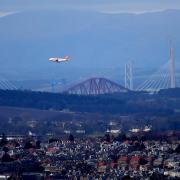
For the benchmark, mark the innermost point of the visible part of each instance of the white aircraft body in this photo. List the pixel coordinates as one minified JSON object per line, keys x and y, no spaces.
{"x":56,"y":59}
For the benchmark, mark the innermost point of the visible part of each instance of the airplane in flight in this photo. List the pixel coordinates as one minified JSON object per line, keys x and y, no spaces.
{"x":56,"y":59}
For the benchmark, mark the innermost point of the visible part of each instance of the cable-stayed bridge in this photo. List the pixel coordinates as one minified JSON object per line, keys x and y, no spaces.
{"x":164,"y":78}
{"x":6,"y":84}
{"x":159,"y":80}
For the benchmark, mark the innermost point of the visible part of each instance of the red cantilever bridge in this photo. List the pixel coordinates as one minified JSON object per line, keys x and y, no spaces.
{"x":96,"y":86}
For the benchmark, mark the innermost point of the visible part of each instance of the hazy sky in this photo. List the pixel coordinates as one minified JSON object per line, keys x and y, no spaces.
{"x":28,"y":35}
{"x":106,"y":6}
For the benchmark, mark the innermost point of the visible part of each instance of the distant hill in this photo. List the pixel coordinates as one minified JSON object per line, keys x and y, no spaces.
{"x":165,"y":103}
{"x":93,"y":40}
{"x":42,"y":113}
{"x":33,"y":113}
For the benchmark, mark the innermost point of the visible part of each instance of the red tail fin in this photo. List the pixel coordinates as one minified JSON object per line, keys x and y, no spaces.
{"x":67,"y":57}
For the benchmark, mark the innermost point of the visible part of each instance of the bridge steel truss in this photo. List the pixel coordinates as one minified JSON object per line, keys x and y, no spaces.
{"x":96,"y":86}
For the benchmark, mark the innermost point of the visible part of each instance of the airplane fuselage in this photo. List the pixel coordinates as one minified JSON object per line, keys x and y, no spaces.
{"x":59,"y":59}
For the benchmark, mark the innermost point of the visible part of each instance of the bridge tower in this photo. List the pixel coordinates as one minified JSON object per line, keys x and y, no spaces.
{"x":128,"y":76}
{"x":53,"y":86}
{"x":172,"y":69}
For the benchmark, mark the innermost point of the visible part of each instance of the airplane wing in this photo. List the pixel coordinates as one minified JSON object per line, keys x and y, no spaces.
{"x":66,"y":58}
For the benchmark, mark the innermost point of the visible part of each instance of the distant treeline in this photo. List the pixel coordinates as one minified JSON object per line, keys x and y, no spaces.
{"x":166,"y":102}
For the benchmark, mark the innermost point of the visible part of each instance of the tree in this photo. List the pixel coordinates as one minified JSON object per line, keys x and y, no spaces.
{"x":28,"y":145}
{"x":107,"y":137}
{"x":4,"y":140}
{"x":178,"y":149}
{"x":6,"y":158}
{"x":38,"y":144}
{"x":5,"y":149}
{"x":121,"y":137}
{"x":71,"y":138}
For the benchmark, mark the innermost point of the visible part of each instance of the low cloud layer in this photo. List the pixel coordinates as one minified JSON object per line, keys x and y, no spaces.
{"x":3,"y":14}
{"x":105,"y":6}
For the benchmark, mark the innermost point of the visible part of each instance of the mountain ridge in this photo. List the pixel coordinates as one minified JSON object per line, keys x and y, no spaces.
{"x":92,"y":40}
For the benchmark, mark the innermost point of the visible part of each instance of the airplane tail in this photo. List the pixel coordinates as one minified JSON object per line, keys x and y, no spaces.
{"x":67,"y":57}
